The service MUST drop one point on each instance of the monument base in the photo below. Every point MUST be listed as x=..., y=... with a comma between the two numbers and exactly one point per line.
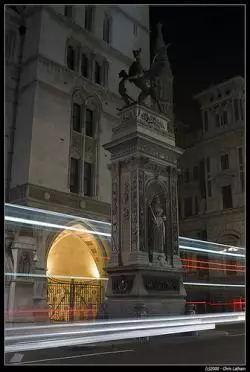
x=138, y=290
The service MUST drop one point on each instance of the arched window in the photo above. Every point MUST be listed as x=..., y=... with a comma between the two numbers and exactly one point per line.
x=107, y=24
x=97, y=73
x=89, y=12
x=85, y=66
x=71, y=57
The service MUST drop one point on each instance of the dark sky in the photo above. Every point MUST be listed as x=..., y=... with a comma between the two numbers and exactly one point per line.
x=207, y=47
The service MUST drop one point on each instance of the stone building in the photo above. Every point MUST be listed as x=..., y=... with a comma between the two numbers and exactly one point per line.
x=61, y=83
x=212, y=180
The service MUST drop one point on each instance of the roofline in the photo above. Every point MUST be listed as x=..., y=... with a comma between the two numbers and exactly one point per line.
x=218, y=85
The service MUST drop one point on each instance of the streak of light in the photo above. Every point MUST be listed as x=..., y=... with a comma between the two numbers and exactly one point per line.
x=211, y=268
x=52, y=225
x=43, y=211
x=211, y=243
x=131, y=320
x=187, y=248
x=54, y=276
x=210, y=262
x=215, y=284
x=44, y=344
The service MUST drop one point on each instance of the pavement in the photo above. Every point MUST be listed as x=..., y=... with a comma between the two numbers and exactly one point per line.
x=225, y=346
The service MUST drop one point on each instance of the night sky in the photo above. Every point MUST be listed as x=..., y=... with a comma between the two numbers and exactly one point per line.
x=207, y=48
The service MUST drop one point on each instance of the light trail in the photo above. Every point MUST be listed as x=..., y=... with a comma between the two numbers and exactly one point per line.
x=130, y=320
x=168, y=323
x=211, y=243
x=215, y=284
x=52, y=225
x=187, y=248
x=43, y=211
x=212, y=268
x=211, y=262
x=54, y=276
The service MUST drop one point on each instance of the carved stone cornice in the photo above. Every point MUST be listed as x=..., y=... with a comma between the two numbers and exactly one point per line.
x=80, y=205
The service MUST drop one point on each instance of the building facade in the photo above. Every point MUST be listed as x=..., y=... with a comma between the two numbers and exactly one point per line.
x=61, y=88
x=212, y=180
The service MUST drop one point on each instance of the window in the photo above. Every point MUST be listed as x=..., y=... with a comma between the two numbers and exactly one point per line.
x=179, y=208
x=68, y=11
x=208, y=165
x=209, y=188
x=227, y=197
x=217, y=120
x=10, y=44
x=77, y=117
x=242, y=176
x=224, y=162
x=84, y=66
x=236, y=109
x=89, y=123
x=89, y=17
x=71, y=57
x=87, y=179
x=209, y=183
x=97, y=73
x=196, y=205
x=225, y=119
x=188, y=209
x=241, y=109
x=196, y=173
x=107, y=29
x=205, y=121
x=135, y=30
x=74, y=175
x=186, y=175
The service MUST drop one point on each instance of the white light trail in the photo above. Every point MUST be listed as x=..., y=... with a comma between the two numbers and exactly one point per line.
x=168, y=323
x=43, y=211
x=132, y=320
x=54, y=276
x=215, y=284
x=44, y=344
x=187, y=248
x=210, y=243
x=52, y=225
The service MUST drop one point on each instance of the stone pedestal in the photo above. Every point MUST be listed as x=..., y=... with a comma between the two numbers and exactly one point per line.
x=145, y=268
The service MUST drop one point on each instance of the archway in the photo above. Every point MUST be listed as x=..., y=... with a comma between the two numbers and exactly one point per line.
x=75, y=268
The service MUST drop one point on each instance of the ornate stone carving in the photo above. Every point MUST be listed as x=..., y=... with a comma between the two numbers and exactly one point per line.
x=134, y=230
x=142, y=245
x=115, y=207
x=161, y=284
x=25, y=262
x=122, y=284
x=173, y=181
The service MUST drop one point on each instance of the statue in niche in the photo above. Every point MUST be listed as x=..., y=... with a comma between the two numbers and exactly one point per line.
x=156, y=226
x=141, y=79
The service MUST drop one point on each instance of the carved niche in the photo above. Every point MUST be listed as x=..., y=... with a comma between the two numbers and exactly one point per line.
x=122, y=284
x=156, y=218
x=25, y=262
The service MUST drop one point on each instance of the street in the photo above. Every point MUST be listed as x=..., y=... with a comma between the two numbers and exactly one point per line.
x=185, y=350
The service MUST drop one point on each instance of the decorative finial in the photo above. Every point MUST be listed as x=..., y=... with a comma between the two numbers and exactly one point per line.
x=159, y=40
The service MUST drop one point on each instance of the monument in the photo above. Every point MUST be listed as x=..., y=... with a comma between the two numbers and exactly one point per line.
x=145, y=271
